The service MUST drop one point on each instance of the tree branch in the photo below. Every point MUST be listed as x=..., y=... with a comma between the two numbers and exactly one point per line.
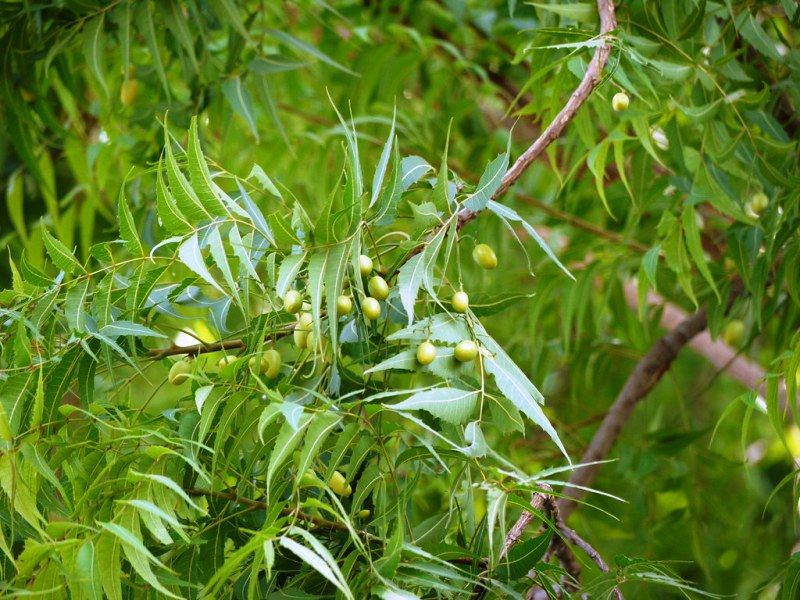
x=645, y=376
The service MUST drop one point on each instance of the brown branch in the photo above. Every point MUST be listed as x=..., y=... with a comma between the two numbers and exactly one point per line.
x=645, y=376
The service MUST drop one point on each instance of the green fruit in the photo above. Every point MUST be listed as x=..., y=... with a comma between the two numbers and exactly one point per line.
x=758, y=203
x=226, y=360
x=344, y=304
x=484, y=256
x=300, y=338
x=339, y=485
x=466, y=351
x=371, y=308
x=364, y=265
x=620, y=101
x=460, y=302
x=128, y=91
x=268, y=364
x=426, y=352
x=179, y=372
x=293, y=302
x=733, y=332
x=378, y=288
x=364, y=513
x=309, y=479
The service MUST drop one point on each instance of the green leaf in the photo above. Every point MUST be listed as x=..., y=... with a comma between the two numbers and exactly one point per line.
x=754, y=33
x=289, y=438
x=510, y=216
x=14, y=203
x=221, y=260
x=94, y=49
x=413, y=169
x=191, y=256
x=74, y=305
x=185, y=197
x=287, y=273
x=239, y=98
x=322, y=424
x=127, y=227
x=118, y=328
x=308, y=49
x=488, y=184
x=449, y=404
x=579, y=11
x=200, y=176
x=144, y=22
x=383, y=163
x=692, y=236
x=59, y=254
x=318, y=559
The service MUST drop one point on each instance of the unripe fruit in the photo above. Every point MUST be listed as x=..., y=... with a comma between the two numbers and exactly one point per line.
x=339, y=485
x=226, y=360
x=302, y=329
x=466, y=351
x=364, y=265
x=620, y=101
x=378, y=288
x=364, y=513
x=128, y=91
x=460, y=302
x=292, y=301
x=758, y=203
x=268, y=364
x=371, y=308
x=484, y=256
x=344, y=304
x=309, y=479
x=733, y=332
x=179, y=372
x=426, y=352
x=300, y=338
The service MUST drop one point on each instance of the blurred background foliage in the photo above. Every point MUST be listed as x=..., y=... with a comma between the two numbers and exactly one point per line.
x=659, y=192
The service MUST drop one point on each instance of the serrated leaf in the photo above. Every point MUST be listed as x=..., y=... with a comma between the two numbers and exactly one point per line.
x=449, y=404
x=200, y=175
x=289, y=438
x=510, y=215
x=287, y=273
x=185, y=197
x=144, y=22
x=74, y=306
x=692, y=237
x=59, y=254
x=438, y=328
x=308, y=49
x=488, y=184
x=190, y=255
x=383, y=163
x=214, y=240
x=118, y=328
x=322, y=424
x=127, y=227
x=413, y=169
x=318, y=559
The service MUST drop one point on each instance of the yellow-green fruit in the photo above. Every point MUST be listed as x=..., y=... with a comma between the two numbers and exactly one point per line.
x=371, y=308
x=300, y=338
x=268, y=364
x=733, y=332
x=344, y=304
x=484, y=256
x=426, y=352
x=179, y=372
x=292, y=301
x=309, y=479
x=128, y=91
x=302, y=329
x=758, y=203
x=364, y=513
x=226, y=360
x=378, y=288
x=460, y=302
x=466, y=351
x=339, y=485
x=620, y=101
x=364, y=265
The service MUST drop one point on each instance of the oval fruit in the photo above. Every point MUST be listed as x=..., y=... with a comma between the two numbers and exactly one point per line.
x=484, y=256
x=758, y=203
x=128, y=91
x=339, y=485
x=733, y=332
x=426, y=353
x=364, y=513
x=371, y=308
x=620, y=101
x=226, y=360
x=364, y=265
x=466, y=351
x=179, y=372
x=378, y=288
x=344, y=304
x=292, y=301
x=270, y=363
x=460, y=302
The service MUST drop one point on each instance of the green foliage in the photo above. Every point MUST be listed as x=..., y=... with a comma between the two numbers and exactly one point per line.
x=175, y=168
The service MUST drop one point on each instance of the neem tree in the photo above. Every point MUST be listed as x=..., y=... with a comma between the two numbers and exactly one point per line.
x=290, y=455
